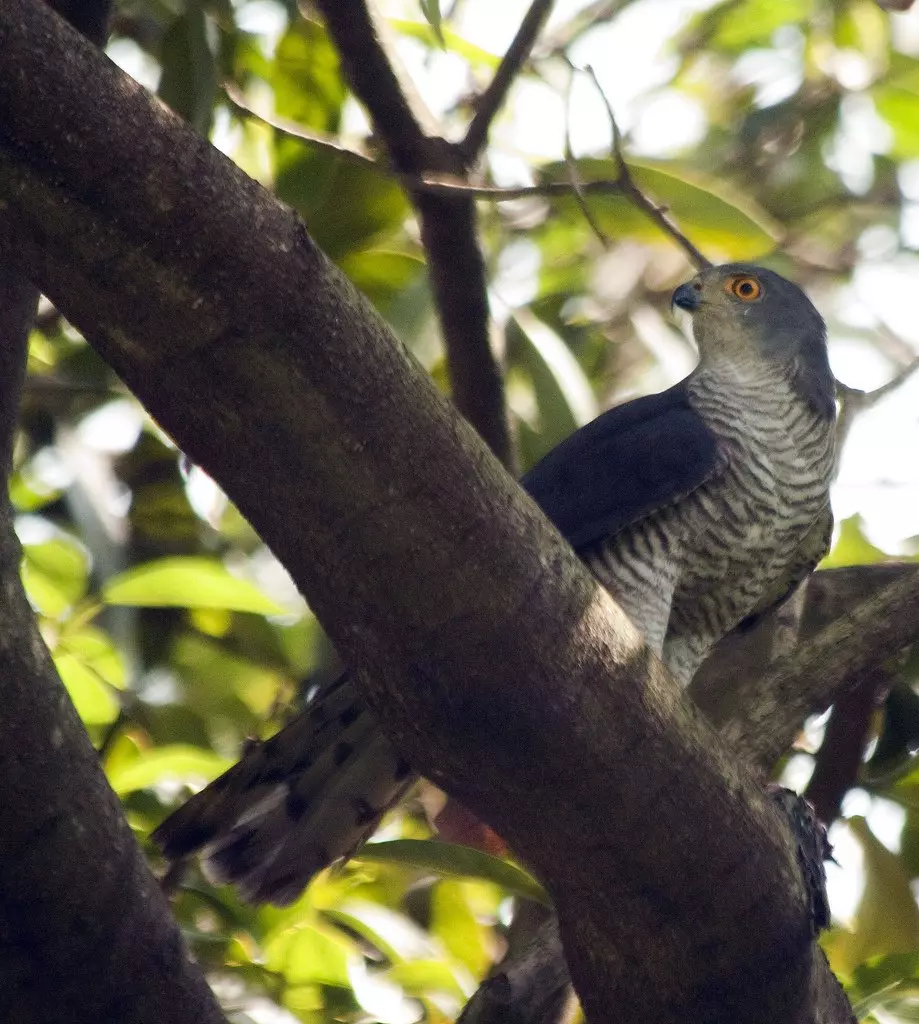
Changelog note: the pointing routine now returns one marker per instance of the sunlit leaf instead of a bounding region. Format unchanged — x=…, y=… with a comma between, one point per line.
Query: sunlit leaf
x=95, y=649
x=95, y=702
x=54, y=573
x=174, y=762
x=456, y=861
x=422, y=977
x=430, y=9
x=456, y=922
x=852, y=547
x=887, y=919
x=190, y=582
x=312, y=953
x=733, y=26
x=898, y=108
x=721, y=223
x=475, y=55
x=307, y=81
x=394, y=934
x=28, y=492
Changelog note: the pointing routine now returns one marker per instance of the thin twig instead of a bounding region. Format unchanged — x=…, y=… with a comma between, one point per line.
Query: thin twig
x=491, y=101
x=854, y=401
x=572, y=165
x=593, y=14
x=631, y=191
x=318, y=139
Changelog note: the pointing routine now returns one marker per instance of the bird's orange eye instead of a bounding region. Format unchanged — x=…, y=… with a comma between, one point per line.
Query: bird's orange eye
x=743, y=287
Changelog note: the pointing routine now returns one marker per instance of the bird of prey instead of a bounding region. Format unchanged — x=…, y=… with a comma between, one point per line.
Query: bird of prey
x=696, y=508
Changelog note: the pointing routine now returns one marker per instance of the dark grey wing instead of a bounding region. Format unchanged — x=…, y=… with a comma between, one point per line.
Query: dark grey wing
x=624, y=465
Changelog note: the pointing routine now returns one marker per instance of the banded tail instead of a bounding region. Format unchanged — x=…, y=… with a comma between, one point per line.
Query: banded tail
x=294, y=804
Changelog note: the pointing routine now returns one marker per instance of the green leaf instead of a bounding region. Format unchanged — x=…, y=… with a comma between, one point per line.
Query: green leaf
x=94, y=649
x=382, y=275
x=28, y=492
x=190, y=582
x=347, y=205
x=456, y=861
x=424, y=977
x=95, y=702
x=733, y=26
x=564, y=397
x=474, y=55
x=396, y=936
x=874, y=983
x=431, y=11
x=852, y=547
x=725, y=225
x=312, y=953
x=898, y=108
x=458, y=920
x=306, y=77
x=54, y=573
x=189, y=80
x=176, y=761
x=887, y=919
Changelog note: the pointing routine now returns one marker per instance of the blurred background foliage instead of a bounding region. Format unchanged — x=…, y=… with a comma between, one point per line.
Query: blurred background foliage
x=783, y=131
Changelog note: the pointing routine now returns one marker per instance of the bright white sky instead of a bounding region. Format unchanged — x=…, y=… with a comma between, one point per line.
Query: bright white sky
x=879, y=477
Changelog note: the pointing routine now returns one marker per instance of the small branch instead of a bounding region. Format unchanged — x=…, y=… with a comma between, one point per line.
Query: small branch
x=531, y=984
x=491, y=101
x=767, y=712
x=855, y=401
x=317, y=139
x=448, y=225
x=840, y=756
x=572, y=165
x=631, y=191
x=593, y=14
x=375, y=83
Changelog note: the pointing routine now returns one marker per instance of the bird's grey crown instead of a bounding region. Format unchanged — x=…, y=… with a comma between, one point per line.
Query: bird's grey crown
x=790, y=330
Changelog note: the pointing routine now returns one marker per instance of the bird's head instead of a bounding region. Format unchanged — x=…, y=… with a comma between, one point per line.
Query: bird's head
x=742, y=312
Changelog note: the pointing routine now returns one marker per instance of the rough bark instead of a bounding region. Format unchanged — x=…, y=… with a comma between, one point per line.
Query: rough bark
x=497, y=664
x=85, y=933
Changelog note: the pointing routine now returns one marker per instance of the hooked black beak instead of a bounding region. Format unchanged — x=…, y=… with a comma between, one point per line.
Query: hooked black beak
x=686, y=297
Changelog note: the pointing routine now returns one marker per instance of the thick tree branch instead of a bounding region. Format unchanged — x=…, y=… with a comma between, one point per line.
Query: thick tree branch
x=448, y=224
x=85, y=933
x=495, y=661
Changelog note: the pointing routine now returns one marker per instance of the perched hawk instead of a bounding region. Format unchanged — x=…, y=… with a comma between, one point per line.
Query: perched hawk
x=696, y=508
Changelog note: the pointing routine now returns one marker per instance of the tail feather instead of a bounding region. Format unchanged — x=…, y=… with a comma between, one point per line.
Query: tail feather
x=295, y=804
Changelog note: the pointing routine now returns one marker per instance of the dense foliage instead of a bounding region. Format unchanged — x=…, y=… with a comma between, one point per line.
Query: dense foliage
x=177, y=634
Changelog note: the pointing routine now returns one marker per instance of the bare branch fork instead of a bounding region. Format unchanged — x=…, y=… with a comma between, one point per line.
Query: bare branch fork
x=448, y=223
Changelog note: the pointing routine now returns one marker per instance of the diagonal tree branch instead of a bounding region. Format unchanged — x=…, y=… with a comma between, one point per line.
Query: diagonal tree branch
x=495, y=661
x=491, y=101
x=448, y=223
x=763, y=712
